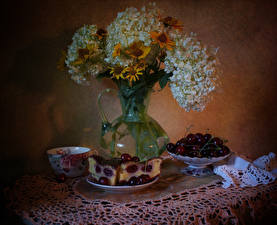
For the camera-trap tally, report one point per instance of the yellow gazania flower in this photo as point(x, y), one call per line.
point(172, 22)
point(132, 72)
point(162, 39)
point(85, 54)
point(116, 50)
point(117, 72)
point(138, 50)
point(101, 33)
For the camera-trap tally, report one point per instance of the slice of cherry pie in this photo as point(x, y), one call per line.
point(119, 171)
point(136, 172)
point(104, 171)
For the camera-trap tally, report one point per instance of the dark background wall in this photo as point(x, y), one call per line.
point(43, 108)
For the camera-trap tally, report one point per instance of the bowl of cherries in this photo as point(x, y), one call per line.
point(199, 151)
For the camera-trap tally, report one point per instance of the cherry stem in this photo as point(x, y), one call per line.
point(208, 142)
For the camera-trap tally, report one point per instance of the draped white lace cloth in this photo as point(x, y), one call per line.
point(240, 172)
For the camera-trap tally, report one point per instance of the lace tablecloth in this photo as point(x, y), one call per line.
point(174, 199)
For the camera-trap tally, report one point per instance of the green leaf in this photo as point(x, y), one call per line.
point(165, 78)
point(112, 145)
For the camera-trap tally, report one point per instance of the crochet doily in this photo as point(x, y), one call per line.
point(41, 200)
point(240, 172)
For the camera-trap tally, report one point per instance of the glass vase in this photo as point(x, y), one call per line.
point(134, 132)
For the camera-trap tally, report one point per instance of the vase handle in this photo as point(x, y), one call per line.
point(106, 125)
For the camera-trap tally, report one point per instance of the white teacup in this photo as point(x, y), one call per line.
point(70, 161)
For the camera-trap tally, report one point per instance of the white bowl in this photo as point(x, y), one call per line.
point(198, 162)
point(198, 166)
point(70, 161)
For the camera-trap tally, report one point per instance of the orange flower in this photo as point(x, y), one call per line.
point(172, 22)
point(116, 50)
point(85, 54)
point(138, 50)
point(162, 39)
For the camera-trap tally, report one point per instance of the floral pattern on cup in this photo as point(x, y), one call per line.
point(71, 161)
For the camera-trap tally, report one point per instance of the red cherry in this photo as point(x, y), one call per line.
point(126, 157)
point(97, 169)
point(181, 142)
point(201, 141)
point(217, 141)
point(133, 181)
point(148, 168)
point(104, 181)
point(132, 169)
point(108, 172)
point(212, 153)
point(143, 179)
point(135, 159)
point(198, 135)
point(139, 181)
point(207, 137)
point(195, 148)
point(191, 139)
point(220, 152)
point(180, 150)
point(225, 150)
point(170, 147)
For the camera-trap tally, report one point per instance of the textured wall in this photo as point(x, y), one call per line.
point(42, 108)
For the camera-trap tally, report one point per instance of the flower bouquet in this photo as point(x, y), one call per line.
point(137, 50)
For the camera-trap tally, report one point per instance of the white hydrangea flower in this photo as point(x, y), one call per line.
point(131, 26)
point(84, 37)
point(194, 71)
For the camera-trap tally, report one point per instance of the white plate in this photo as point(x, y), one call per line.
point(122, 188)
point(198, 162)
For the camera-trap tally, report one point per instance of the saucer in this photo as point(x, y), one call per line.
point(125, 188)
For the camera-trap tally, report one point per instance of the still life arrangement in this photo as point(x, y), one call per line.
point(137, 50)
point(141, 51)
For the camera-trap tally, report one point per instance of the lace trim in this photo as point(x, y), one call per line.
point(239, 172)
